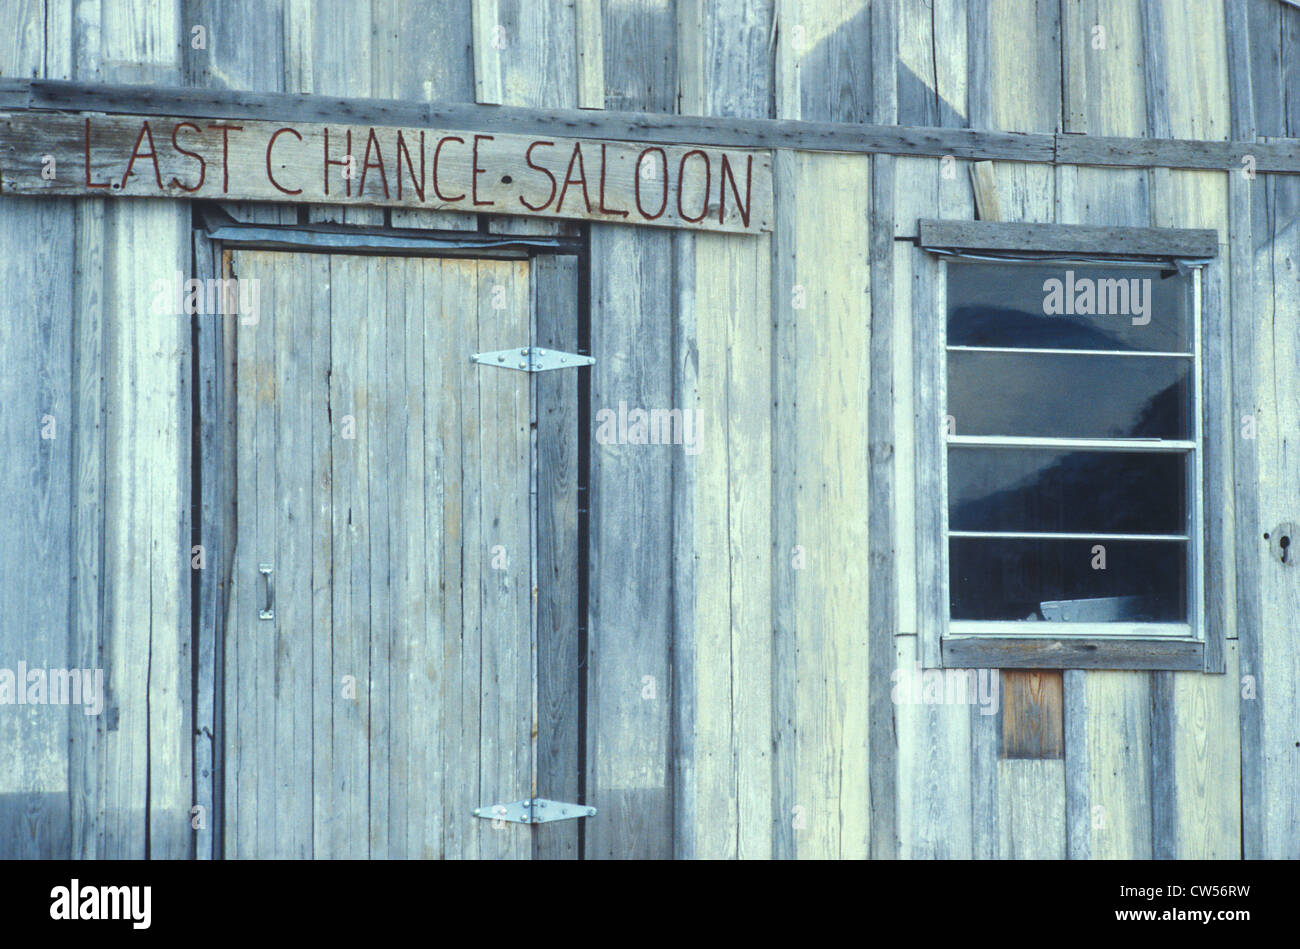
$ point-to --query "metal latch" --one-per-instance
(532, 359)
(535, 811)
(268, 612)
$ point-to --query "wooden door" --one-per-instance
(385, 479)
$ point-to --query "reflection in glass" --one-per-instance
(1066, 492)
(1005, 304)
(1031, 394)
(1057, 580)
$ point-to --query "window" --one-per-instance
(1072, 448)
(1067, 500)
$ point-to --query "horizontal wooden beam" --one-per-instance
(1247, 157)
(1276, 155)
(1012, 652)
(1068, 239)
(49, 94)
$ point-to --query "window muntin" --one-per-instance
(1070, 432)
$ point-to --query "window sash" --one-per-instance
(1193, 536)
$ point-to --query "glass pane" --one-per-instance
(1059, 580)
(1034, 394)
(1069, 306)
(1067, 492)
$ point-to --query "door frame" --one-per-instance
(214, 235)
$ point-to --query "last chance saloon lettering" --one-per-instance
(682, 186)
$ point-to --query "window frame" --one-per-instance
(1194, 644)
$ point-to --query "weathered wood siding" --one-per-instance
(746, 605)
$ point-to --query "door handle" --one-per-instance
(268, 612)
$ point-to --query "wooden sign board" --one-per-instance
(680, 186)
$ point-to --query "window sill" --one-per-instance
(1022, 652)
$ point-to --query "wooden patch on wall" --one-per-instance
(680, 186)
(1033, 721)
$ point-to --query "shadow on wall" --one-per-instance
(35, 826)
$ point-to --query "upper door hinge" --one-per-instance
(532, 359)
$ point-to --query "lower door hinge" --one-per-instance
(535, 811)
(532, 359)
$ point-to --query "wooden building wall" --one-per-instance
(771, 732)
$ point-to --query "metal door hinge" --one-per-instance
(532, 359)
(535, 811)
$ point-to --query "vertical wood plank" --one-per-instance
(504, 744)
(243, 45)
(631, 683)
(383, 306)
(85, 778)
(591, 55)
(325, 429)
(488, 67)
(1195, 765)
(555, 309)
(733, 575)
(350, 685)
(1118, 710)
(22, 46)
(37, 435)
(419, 806)
(457, 445)
(292, 509)
(146, 549)
(630, 604)
(882, 524)
(685, 372)
(1078, 810)
(1031, 797)
(1207, 763)
(148, 757)
(823, 370)
(1245, 465)
(934, 772)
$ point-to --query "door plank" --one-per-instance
(555, 302)
(290, 324)
(379, 411)
(324, 436)
(349, 401)
(506, 673)
(455, 451)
